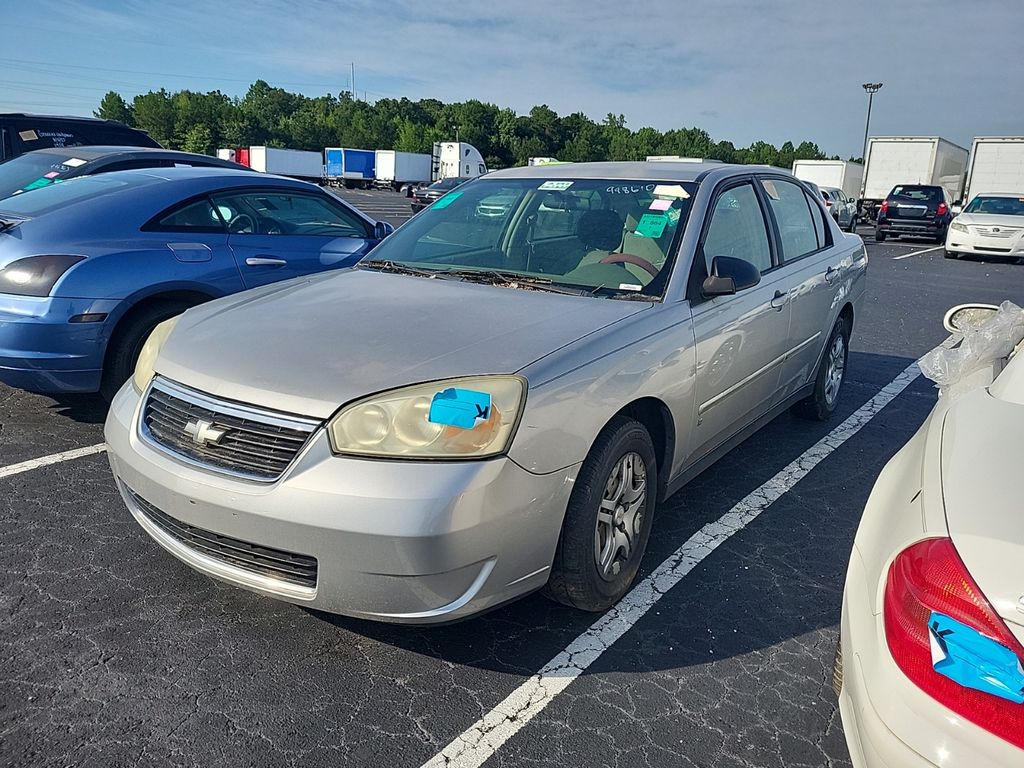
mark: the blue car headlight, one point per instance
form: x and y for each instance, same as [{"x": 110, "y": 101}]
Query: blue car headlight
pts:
[{"x": 35, "y": 275}]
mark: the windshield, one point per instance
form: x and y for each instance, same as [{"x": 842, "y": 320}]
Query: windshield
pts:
[
  {"x": 449, "y": 183},
  {"x": 610, "y": 235},
  {"x": 34, "y": 170},
  {"x": 57, "y": 195},
  {"x": 1003, "y": 206}
]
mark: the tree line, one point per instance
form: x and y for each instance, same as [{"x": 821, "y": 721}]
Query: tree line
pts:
[{"x": 202, "y": 122}]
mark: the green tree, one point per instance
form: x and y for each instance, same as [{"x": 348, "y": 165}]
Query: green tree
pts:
[
  {"x": 114, "y": 107},
  {"x": 199, "y": 139}
]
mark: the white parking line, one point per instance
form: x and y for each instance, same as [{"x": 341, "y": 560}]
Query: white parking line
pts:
[
  {"x": 54, "y": 458},
  {"x": 482, "y": 739},
  {"x": 918, "y": 253}
]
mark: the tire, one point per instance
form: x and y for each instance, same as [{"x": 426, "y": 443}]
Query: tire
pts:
[
  {"x": 126, "y": 343},
  {"x": 951, "y": 254},
  {"x": 578, "y": 578},
  {"x": 829, "y": 378},
  {"x": 879, "y": 236},
  {"x": 940, "y": 237}
]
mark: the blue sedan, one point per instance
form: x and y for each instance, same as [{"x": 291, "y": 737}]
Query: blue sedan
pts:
[{"x": 89, "y": 267}]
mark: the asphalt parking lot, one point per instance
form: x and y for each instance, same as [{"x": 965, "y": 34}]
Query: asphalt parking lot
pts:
[{"x": 113, "y": 653}]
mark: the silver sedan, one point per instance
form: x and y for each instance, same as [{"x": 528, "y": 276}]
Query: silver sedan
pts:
[{"x": 494, "y": 403}]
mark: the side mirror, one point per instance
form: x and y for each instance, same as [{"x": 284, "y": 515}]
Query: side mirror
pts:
[
  {"x": 964, "y": 317},
  {"x": 851, "y": 199},
  {"x": 728, "y": 276},
  {"x": 381, "y": 230}
]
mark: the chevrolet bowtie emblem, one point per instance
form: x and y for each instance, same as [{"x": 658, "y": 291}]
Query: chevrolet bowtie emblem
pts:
[{"x": 204, "y": 433}]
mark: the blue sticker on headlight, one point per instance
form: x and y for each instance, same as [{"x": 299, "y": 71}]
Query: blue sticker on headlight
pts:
[
  {"x": 966, "y": 656},
  {"x": 463, "y": 408}
]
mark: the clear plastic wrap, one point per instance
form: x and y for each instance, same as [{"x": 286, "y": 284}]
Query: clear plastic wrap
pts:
[{"x": 982, "y": 348}]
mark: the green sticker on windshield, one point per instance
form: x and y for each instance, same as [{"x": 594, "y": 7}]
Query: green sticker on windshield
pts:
[
  {"x": 652, "y": 225},
  {"x": 43, "y": 182},
  {"x": 448, "y": 199}
]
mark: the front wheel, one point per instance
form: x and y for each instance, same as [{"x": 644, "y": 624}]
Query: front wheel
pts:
[
  {"x": 879, "y": 236},
  {"x": 126, "y": 343},
  {"x": 608, "y": 519},
  {"x": 821, "y": 403},
  {"x": 951, "y": 254}
]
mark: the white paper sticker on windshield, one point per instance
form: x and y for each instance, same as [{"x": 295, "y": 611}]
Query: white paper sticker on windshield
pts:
[
  {"x": 74, "y": 162},
  {"x": 556, "y": 185},
  {"x": 28, "y": 135},
  {"x": 630, "y": 287},
  {"x": 671, "y": 190}
]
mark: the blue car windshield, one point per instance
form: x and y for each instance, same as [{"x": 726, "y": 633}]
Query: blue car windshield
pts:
[
  {"x": 595, "y": 235},
  {"x": 56, "y": 195}
]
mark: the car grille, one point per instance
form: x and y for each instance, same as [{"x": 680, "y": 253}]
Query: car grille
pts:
[
  {"x": 242, "y": 441},
  {"x": 1003, "y": 232},
  {"x": 264, "y": 561}
]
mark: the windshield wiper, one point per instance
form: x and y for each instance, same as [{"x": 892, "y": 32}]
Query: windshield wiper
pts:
[
  {"x": 386, "y": 265},
  {"x": 511, "y": 280}
]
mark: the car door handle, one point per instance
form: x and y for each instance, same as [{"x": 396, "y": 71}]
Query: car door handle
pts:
[
  {"x": 831, "y": 274},
  {"x": 779, "y": 300},
  {"x": 265, "y": 261}
]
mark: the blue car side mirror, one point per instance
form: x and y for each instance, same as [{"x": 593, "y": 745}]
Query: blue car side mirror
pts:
[{"x": 382, "y": 229}]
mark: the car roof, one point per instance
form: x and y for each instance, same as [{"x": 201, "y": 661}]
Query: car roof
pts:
[
  {"x": 665, "y": 170},
  {"x": 92, "y": 152},
  {"x": 76, "y": 118},
  {"x": 1014, "y": 195}
]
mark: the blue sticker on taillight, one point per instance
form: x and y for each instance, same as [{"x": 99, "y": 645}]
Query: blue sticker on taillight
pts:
[{"x": 967, "y": 657}]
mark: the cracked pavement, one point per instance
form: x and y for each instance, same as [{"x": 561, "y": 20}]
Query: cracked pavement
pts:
[{"x": 113, "y": 653}]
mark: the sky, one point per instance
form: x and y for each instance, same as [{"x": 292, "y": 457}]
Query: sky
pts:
[{"x": 750, "y": 70}]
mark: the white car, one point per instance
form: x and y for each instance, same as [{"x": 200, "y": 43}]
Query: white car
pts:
[
  {"x": 990, "y": 225},
  {"x": 842, "y": 208},
  {"x": 929, "y": 667}
]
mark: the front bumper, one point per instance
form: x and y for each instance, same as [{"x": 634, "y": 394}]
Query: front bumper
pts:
[
  {"x": 406, "y": 542},
  {"x": 42, "y": 351},
  {"x": 889, "y": 721},
  {"x": 966, "y": 242}
]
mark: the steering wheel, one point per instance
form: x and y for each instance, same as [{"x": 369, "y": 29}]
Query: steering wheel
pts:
[
  {"x": 243, "y": 223},
  {"x": 629, "y": 258}
]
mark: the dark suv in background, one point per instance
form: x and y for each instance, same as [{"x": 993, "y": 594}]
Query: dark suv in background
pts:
[
  {"x": 21, "y": 133},
  {"x": 918, "y": 210}
]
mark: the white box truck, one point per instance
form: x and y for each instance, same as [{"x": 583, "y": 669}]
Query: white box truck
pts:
[
  {"x": 287, "y": 162},
  {"x": 997, "y": 165},
  {"x": 397, "y": 168},
  {"x": 893, "y": 160},
  {"x": 456, "y": 159},
  {"x": 841, "y": 174}
]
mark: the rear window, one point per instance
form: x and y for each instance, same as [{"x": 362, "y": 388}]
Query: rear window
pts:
[
  {"x": 48, "y": 198},
  {"x": 27, "y": 134},
  {"x": 33, "y": 171},
  {"x": 917, "y": 194}
]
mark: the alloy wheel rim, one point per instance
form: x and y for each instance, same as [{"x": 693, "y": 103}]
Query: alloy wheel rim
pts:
[
  {"x": 834, "y": 369},
  {"x": 620, "y": 515}
]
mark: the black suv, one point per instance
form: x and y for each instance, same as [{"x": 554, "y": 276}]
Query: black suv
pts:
[
  {"x": 918, "y": 210},
  {"x": 21, "y": 133}
]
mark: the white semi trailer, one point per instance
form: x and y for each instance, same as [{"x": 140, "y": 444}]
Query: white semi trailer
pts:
[
  {"x": 287, "y": 162},
  {"x": 997, "y": 165},
  {"x": 841, "y": 174},
  {"x": 893, "y": 160}
]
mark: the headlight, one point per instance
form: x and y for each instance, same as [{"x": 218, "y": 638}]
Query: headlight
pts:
[
  {"x": 147, "y": 357},
  {"x": 958, "y": 227},
  {"x": 471, "y": 417},
  {"x": 35, "y": 275}
]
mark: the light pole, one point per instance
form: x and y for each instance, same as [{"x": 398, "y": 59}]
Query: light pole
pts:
[{"x": 871, "y": 89}]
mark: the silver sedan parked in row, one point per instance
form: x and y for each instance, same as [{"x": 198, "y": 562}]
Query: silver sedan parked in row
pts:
[{"x": 492, "y": 404}]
